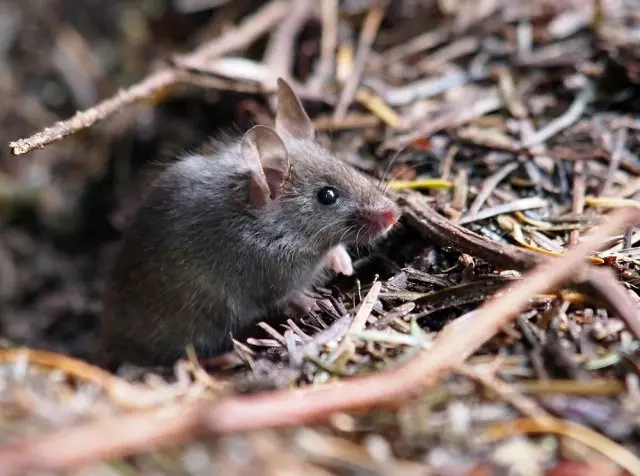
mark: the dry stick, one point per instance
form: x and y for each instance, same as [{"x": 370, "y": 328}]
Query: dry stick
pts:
[
  {"x": 614, "y": 451},
  {"x": 85, "y": 444},
  {"x": 604, "y": 284},
  {"x": 462, "y": 114},
  {"x": 525, "y": 405},
  {"x": 328, "y": 45},
  {"x": 279, "y": 54},
  {"x": 124, "y": 393},
  {"x": 614, "y": 163},
  {"x": 579, "y": 187},
  {"x": 367, "y": 35},
  {"x": 517, "y": 205},
  {"x": 420, "y": 43},
  {"x": 489, "y": 185},
  {"x": 243, "y": 35},
  {"x": 442, "y": 232},
  {"x": 129, "y": 434},
  {"x": 572, "y": 114},
  {"x": 359, "y": 321}
]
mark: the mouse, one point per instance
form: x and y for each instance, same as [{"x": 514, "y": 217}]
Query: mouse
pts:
[{"x": 223, "y": 238}]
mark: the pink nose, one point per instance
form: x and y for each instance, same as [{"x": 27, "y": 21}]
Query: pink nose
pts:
[
  {"x": 389, "y": 217},
  {"x": 385, "y": 219}
]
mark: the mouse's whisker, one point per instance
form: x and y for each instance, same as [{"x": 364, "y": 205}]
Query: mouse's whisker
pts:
[
  {"x": 389, "y": 165},
  {"x": 318, "y": 233},
  {"x": 357, "y": 240},
  {"x": 346, "y": 233},
  {"x": 386, "y": 184}
]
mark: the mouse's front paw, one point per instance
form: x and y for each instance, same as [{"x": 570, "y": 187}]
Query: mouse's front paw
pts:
[{"x": 339, "y": 260}]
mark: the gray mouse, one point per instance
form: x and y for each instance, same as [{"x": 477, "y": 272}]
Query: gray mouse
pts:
[{"x": 221, "y": 239}]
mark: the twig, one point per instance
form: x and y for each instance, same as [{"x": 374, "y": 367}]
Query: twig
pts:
[
  {"x": 445, "y": 233},
  {"x": 251, "y": 28},
  {"x": 614, "y": 163},
  {"x": 367, "y": 35},
  {"x": 280, "y": 54},
  {"x": 461, "y": 113},
  {"x": 359, "y": 321},
  {"x": 573, "y": 113},
  {"x": 129, "y": 434},
  {"x": 377, "y": 106},
  {"x": 328, "y": 44},
  {"x": 247, "y": 31},
  {"x": 604, "y": 284},
  {"x": 420, "y": 43},
  {"x": 459, "y": 47},
  {"x": 517, "y": 205},
  {"x": 577, "y": 205},
  {"x": 149, "y": 86},
  {"x": 521, "y": 403},
  {"x": 617, "y": 453},
  {"x": 86, "y": 444},
  {"x": 487, "y": 187},
  {"x": 122, "y": 392},
  {"x": 421, "y": 89}
]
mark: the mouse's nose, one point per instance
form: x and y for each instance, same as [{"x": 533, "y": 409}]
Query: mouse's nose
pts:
[
  {"x": 381, "y": 220},
  {"x": 389, "y": 217}
]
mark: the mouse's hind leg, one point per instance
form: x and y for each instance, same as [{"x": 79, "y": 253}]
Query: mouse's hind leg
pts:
[{"x": 338, "y": 260}]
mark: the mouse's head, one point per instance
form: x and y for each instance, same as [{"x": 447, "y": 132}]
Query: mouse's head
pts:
[{"x": 316, "y": 197}]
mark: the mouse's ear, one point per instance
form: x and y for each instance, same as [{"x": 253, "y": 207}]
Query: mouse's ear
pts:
[
  {"x": 263, "y": 148},
  {"x": 291, "y": 118}
]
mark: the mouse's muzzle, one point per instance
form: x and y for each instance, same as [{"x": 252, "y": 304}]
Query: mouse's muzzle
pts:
[{"x": 378, "y": 221}]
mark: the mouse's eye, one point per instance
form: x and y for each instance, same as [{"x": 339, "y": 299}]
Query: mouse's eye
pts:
[{"x": 328, "y": 195}]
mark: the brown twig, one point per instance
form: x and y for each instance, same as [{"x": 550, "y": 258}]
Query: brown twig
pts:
[
  {"x": 244, "y": 34},
  {"x": 614, "y": 163},
  {"x": 125, "y": 435},
  {"x": 445, "y": 233},
  {"x": 122, "y": 392},
  {"x": 510, "y": 207},
  {"x": 509, "y": 393},
  {"x": 280, "y": 54},
  {"x": 616, "y": 452},
  {"x": 487, "y": 187},
  {"x": 328, "y": 44},
  {"x": 577, "y": 205},
  {"x": 460, "y": 114},
  {"x": 603, "y": 283},
  {"x": 571, "y": 115},
  {"x": 367, "y": 35},
  {"x": 86, "y": 444}
]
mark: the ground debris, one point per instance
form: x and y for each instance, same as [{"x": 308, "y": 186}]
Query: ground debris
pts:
[{"x": 507, "y": 131}]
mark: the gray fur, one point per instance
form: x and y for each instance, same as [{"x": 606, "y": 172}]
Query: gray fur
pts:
[{"x": 200, "y": 261}]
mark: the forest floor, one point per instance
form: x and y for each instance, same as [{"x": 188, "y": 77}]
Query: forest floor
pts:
[{"x": 495, "y": 331}]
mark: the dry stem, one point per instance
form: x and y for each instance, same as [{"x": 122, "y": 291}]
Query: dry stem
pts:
[{"x": 243, "y": 35}]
